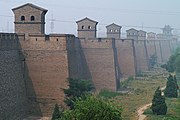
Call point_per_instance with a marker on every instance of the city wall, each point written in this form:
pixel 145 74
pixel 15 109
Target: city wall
pixel 37 66
pixel 13 102
pixel 99 56
pixel 46 58
pixel 126 57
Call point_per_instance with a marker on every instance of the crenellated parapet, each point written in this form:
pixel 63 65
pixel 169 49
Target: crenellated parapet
pixel 9 41
pixel 46 42
pixel 97 43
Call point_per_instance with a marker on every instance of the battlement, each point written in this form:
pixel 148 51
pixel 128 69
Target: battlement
pixel 9 41
pixel 97 43
pixel 124 42
pixel 46 42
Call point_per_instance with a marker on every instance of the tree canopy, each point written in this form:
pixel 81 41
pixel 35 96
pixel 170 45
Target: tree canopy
pixel 171 87
pixel 174 62
pixel 93 108
pixel 77 88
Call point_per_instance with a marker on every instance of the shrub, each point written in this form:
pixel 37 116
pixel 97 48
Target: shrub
pixel 159 106
pixel 56 113
pixel 108 94
pixel 171 87
pixel 77 88
pixel 93 108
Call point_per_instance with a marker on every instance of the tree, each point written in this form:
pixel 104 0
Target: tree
pixel 152 61
pixel 93 108
pixel 159 106
pixel 56 113
pixel 77 88
pixel 173 63
pixel 171 87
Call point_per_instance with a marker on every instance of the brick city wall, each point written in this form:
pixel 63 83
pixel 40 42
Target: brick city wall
pixel 13 101
pixel 51 59
pixel 126 58
pixel 140 56
pixel 99 56
pixel 47 70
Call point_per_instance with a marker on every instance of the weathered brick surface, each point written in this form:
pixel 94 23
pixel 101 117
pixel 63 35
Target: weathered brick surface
pixel 165 50
pixel 158 51
pixel 141 56
pixel 99 56
pixel 126 58
pixel 13 101
pixel 151 48
pixel 47 70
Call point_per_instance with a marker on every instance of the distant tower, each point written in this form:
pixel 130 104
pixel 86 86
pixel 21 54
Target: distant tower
pixel 141 35
pixel 151 36
pixel 132 34
pixel 167 31
pixel 87 28
pixel 113 31
pixel 29 18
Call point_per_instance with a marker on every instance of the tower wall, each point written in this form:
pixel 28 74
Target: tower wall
pixel 24 23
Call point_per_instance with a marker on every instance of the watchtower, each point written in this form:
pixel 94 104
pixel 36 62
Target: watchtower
pixel 132 34
pixel 29 18
pixel 167 31
pixel 151 36
pixel 86 28
pixel 113 31
pixel 141 35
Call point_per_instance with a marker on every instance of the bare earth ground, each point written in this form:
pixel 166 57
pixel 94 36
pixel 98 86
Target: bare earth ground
pixel 37 118
pixel 141 110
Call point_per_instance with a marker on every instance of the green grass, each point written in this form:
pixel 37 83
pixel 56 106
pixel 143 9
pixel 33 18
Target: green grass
pixel 173 112
pixel 124 84
pixel 141 93
pixel 108 94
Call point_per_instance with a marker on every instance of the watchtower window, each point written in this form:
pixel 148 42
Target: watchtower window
pixel 111 30
pixel 89 27
pixel 32 18
pixel 22 18
pixel 82 27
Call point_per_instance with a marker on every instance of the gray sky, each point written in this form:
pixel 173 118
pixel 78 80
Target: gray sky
pixel 138 14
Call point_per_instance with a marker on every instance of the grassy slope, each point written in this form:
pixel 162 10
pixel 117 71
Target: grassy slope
pixel 141 94
pixel 173 112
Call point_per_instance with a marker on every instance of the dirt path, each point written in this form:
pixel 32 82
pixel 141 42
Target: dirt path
pixel 141 110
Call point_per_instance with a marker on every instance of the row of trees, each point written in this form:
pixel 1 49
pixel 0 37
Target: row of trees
pixel 159 106
pixel 85 106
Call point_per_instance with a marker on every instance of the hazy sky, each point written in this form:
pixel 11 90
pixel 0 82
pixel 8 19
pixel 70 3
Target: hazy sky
pixel 138 14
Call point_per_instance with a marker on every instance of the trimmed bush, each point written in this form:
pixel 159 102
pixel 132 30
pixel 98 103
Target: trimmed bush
pixel 159 106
